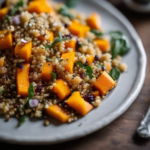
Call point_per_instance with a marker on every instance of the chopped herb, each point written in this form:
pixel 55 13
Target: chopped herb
pixel 29 25
pixel 53 76
pixel 13 85
pixel 96 32
pixel 72 91
pixel 71 3
pixel 19 4
pixel 30 95
pixel 88 69
pixel 99 66
pixel 115 73
pixel 65 12
pixel 56 40
pixel 1 91
pixel 119 43
pixel 22 120
pixel 7 18
pixel 48 59
pixel 89 40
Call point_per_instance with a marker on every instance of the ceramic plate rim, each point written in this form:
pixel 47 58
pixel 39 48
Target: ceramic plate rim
pixel 115 114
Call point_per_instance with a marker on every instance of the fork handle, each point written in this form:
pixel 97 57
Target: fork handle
pixel 144 128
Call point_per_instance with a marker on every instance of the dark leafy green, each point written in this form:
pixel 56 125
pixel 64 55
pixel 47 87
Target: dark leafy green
pixel 19 4
pixel 96 32
pixel 7 18
pixel 14 85
pixel 119 43
pixel 65 12
pixel 48 59
pixel 115 73
pixel 22 120
pixel 59 35
pixel 89 71
pixel 53 76
pixel 72 91
pixel 71 3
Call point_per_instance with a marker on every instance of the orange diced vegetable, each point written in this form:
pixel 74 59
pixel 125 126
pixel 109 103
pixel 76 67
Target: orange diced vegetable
pixel 2 61
pixel 108 67
pixel 71 44
pixel 6 41
pixel 79 104
pixel 23 51
pixel 90 59
pixel 70 56
pixel 95 93
pixel 94 21
pixel 76 28
pixel 104 83
pixel 23 80
pixel 61 89
pixel 40 6
pixel 46 72
pixel 103 44
pixel 58 113
pixel 3 12
pixel 49 36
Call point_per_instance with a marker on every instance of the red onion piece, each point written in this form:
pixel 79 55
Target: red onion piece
pixel 33 102
pixel 16 20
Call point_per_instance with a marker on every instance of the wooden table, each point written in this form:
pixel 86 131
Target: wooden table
pixel 120 134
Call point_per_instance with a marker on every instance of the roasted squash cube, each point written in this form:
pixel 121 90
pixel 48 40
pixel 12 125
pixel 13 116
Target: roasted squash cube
pixel 6 40
pixel 71 44
pixel 3 12
pixel 76 28
pixel 40 6
pixel 23 80
pixel 58 113
pixel 94 21
pixel 79 104
pixel 95 93
pixel 104 83
pixel 49 36
pixel 2 61
pixel 46 72
pixel 23 51
pixel 90 59
pixel 70 57
pixel 103 44
pixel 61 89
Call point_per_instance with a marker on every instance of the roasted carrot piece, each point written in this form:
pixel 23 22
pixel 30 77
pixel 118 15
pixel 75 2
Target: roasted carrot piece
pixel 23 80
pixel 79 104
pixel 108 67
pixel 90 59
pixel 46 72
pixel 71 44
pixel 70 56
pixel 103 44
pixel 61 89
pixel 3 12
pixel 2 61
pixel 94 21
pixel 104 83
pixel 23 51
pixel 5 40
pixel 40 6
pixel 49 36
pixel 76 28
pixel 58 113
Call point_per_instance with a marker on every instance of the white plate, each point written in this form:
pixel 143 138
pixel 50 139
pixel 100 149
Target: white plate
pixel 115 104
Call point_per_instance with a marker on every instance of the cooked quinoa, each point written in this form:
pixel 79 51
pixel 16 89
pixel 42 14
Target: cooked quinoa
pixel 68 77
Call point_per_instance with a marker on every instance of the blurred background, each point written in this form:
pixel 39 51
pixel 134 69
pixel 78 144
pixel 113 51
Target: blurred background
pixel 120 134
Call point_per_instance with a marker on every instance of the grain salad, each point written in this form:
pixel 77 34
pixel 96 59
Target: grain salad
pixel 55 61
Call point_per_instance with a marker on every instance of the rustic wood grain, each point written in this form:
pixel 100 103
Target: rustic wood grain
pixel 120 134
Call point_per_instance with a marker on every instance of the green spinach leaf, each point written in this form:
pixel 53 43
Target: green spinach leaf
pixel 31 91
pixel 1 91
pixel 97 33
pixel 48 59
pixel 16 7
pixel 71 3
pixel 115 73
